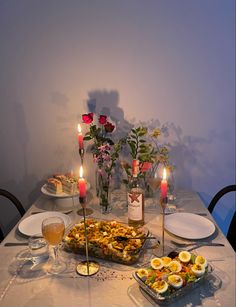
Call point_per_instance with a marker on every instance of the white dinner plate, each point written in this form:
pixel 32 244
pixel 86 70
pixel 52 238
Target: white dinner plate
pixel 189 225
pixel 45 191
pixel 32 224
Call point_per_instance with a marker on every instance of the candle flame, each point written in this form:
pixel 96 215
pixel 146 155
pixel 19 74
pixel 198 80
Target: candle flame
pixel 164 174
pixel 81 171
pixel 79 128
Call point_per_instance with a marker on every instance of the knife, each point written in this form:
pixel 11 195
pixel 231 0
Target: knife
pixel 204 244
pixel 16 244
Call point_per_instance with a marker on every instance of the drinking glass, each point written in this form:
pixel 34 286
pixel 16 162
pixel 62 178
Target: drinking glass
pixel 154 180
pixel 53 229
pixel 38 249
pixel 171 187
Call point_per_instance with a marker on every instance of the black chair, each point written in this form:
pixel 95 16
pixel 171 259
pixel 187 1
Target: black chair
pixel 230 235
pixel 14 201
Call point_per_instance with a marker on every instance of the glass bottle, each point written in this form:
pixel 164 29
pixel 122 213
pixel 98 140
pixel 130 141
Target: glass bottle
pixel 135 198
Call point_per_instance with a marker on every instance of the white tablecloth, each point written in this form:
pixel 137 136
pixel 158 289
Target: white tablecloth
pixel 114 284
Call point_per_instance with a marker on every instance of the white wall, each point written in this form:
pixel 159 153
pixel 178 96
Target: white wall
pixel 168 60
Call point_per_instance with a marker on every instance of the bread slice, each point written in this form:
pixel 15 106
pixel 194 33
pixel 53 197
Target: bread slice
pixel 69 184
pixel 54 185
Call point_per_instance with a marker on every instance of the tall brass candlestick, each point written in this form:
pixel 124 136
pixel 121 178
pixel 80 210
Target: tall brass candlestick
pixel 81 153
pixel 82 202
pixel 92 267
pixel 163 202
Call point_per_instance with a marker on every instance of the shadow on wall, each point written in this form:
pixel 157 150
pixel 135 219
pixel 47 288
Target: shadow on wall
pixel 16 140
pixel 107 103
pixel 185 151
pixel 14 156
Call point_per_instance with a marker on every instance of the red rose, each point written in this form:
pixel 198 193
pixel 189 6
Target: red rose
pixel 102 119
pixel 109 127
pixel 145 167
pixel 87 118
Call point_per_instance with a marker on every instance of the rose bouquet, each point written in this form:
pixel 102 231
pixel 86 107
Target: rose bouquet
pixel 105 154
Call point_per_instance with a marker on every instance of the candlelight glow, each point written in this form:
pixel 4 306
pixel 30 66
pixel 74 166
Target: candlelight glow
pixel 79 128
pixel 81 172
pixel 164 174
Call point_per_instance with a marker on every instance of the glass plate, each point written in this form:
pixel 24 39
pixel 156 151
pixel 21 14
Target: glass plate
pixel 131 257
pixel 159 299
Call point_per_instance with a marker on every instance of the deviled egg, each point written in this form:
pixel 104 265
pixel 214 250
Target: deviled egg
pixel 175 266
pixel 198 269
pixel 201 260
pixel 160 286
pixel 142 273
pixel 157 263
pixel 166 261
pixel 184 256
pixel 175 281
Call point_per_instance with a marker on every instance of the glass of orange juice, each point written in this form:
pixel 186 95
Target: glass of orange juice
pixel 53 229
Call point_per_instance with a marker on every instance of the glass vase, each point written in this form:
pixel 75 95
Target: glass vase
pixel 104 190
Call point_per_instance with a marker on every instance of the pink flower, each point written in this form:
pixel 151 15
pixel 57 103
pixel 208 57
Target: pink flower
pixel 109 127
pixel 102 119
pixel 87 118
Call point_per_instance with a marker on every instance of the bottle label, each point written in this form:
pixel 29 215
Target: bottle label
pixel 135 206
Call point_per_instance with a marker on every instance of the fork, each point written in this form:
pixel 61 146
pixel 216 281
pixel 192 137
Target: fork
pixel 123 238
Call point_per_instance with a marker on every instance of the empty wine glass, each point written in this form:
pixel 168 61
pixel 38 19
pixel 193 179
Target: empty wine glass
pixel 53 229
pixel 171 187
pixel 154 180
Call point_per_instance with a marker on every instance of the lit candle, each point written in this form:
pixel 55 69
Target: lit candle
pixel 82 184
pixel 80 138
pixel 164 185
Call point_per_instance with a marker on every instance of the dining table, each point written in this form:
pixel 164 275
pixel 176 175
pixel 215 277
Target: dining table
pixel 22 285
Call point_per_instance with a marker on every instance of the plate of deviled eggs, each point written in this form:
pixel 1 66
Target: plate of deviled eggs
pixel 166 278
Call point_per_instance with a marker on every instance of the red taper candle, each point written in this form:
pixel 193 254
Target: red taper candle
pixel 164 185
pixel 80 138
pixel 82 184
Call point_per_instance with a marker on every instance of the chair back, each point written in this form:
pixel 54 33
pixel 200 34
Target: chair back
pixel 222 192
pixel 15 202
pixel 231 231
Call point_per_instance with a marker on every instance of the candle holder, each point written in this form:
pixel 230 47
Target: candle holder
pixel 86 268
pixel 84 210
pixel 81 153
pixel 163 203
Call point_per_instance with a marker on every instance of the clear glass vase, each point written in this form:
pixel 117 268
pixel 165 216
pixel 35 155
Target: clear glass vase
pixel 103 180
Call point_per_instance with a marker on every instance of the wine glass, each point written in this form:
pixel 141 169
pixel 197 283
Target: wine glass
pixel 53 229
pixel 154 180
